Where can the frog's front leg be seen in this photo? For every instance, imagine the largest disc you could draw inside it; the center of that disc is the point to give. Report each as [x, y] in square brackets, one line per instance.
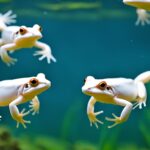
[124, 114]
[91, 114]
[16, 115]
[35, 105]
[45, 52]
[4, 56]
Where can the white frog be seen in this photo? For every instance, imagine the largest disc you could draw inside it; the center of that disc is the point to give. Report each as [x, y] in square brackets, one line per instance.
[17, 37]
[143, 6]
[18, 91]
[117, 91]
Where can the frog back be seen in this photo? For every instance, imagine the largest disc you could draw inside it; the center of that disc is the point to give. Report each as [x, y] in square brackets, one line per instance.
[9, 90]
[124, 88]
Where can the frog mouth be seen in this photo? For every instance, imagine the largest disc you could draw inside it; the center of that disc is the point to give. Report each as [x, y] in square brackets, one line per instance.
[36, 37]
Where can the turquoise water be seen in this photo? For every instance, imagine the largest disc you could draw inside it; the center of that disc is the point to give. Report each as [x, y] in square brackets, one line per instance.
[99, 40]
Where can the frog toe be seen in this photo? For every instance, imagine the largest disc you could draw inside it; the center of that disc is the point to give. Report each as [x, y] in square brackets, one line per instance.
[23, 122]
[116, 120]
[9, 61]
[93, 119]
[20, 119]
[139, 104]
[34, 108]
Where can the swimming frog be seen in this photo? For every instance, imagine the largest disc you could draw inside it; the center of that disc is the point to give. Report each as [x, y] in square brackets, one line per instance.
[18, 91]
[17, 37]
[143, 17]
[117, 91]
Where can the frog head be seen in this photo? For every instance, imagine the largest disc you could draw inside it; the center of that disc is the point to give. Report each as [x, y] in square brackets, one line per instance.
[35, 86]
[27, 34]
[96, 87]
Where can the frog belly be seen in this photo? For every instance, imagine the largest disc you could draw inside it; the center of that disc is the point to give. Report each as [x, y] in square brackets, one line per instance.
[7, 98]
[144, 4]
[6, 102]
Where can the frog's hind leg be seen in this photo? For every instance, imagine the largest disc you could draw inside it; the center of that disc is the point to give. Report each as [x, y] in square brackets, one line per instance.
[143, 77]
[143, 17]
[142, 96]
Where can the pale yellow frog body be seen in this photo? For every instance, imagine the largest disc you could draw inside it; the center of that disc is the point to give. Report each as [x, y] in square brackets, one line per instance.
[18, 91]
[17, 37]
[116, 91]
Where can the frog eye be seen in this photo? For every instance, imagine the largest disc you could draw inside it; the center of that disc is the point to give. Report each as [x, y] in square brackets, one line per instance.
[102, 85]
[22, 31]
[40, 28]
[34, 82]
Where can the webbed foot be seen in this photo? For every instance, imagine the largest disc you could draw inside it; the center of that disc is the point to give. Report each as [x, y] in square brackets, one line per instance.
[139, 104]
[21, 120]
[93, 119]
[8, 17]
[7, 59]
[34, 106]
[116, 119]
[46, 53]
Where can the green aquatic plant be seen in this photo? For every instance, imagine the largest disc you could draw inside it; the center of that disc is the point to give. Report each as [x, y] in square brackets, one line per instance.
[77, 16]
[144, 122]
[7, 141]
[84, 145]
[47, 143]
[69, 119]
[129, 146]
[26, 142]
[61, 6]
[5, 1]
[144, 128]
[105, 134]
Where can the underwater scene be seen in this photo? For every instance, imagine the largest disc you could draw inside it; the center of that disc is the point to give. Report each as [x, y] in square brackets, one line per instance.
[80, 68]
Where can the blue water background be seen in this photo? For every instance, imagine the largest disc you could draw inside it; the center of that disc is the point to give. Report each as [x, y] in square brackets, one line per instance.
[107, 46]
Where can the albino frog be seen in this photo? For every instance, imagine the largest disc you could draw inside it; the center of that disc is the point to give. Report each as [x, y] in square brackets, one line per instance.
[117, 91]
[143, 17]
[18, 91]
[17, 37]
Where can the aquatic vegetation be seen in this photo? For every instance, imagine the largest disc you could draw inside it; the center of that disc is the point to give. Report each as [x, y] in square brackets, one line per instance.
[84, 145]
[17, 37]
[105, 134]
[5, 1]
[7, 141]
[18, 91]
[61, 6]
[47, 143]
[130, 146]
[144, 127]
[145, 133]
[81, 15]
[69, 118]
[106, 91]
[26, 142]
